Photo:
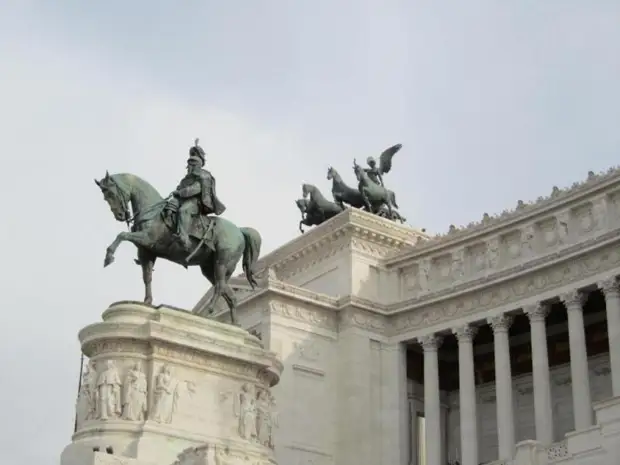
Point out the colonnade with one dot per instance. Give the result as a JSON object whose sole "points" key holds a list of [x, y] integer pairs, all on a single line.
{"points": [[543, 412]]}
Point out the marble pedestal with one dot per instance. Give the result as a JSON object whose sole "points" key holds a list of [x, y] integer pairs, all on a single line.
{"points": [[163, 386]]}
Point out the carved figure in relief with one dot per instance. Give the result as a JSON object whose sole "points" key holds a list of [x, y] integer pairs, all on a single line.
{"points": [[245, 409], [264, 417], [424, 273], [86, 408], [599, 212], [527, 242], [108, 392], [166, 396], [134, 394], [493, 254]]}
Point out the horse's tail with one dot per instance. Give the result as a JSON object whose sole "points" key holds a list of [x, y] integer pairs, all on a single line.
{"points": [[251, 252], [393, 199]]}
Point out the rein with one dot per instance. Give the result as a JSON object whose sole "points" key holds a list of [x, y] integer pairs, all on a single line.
{"points": [[125, 199]]}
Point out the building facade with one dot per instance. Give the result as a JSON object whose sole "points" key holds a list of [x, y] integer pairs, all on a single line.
{"points": [[497, 342]]}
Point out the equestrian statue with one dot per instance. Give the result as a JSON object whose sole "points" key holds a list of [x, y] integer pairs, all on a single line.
{"points": [[370, 194], [184, 228], [377, 199], [316, 209]]}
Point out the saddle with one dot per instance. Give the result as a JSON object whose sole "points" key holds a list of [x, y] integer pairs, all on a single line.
{"points": [[202, 224]]}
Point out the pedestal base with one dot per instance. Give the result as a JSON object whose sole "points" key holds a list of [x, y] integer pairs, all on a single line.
{"points": [[161, 382]]}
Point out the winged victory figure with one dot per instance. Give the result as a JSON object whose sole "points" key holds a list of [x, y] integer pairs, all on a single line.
{"points": [[375, 173]]}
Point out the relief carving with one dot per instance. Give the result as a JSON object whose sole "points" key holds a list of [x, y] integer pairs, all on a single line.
{"points": [[194, 456], [457, 267], [493, 256], [224, 456], [599, 213], [86, 408], [108, 394], [245, 409], [167, 392], [548, 229], [307, 351], [266, 418], [528, 244], [134, 394]]}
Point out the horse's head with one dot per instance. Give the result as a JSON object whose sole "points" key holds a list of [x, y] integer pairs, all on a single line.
{"points": [[117, 199], [330, 173], [306, 190], [302, 204]]}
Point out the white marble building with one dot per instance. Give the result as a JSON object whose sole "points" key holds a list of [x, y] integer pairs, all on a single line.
{"points": [[498, 342]]}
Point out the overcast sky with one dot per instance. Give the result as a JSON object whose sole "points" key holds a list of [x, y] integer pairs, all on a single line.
{"points": [[492, 101]]}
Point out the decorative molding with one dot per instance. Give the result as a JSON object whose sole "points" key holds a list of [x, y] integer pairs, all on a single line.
{"points": [[353, 229], [363, 319], [465, 333], [573, 300], [536, 312], [488, 224], [430, 342], [609, 287], [519, 288], [500, 323], [313, 316]]}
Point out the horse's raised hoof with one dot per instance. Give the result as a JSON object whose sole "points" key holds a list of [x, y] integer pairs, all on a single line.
{"points": [[109, 259]]}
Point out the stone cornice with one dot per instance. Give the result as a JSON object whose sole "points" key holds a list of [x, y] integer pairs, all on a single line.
{"points": [[506, 274], [595, 184], [352, 223], [274, 288]]}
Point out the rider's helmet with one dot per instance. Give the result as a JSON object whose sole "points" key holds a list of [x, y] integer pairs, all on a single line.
{"points": [[197, 153]]}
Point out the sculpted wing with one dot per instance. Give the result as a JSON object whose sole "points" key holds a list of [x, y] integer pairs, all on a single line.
{"points": [[385, 159]]}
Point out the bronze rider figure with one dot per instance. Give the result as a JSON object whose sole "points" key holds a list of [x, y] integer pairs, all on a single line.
{"points": [[195, 195]]}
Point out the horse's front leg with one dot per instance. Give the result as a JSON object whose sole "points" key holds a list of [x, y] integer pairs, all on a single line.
{"points": [[139, 239], [301, 223], [147, 261]]}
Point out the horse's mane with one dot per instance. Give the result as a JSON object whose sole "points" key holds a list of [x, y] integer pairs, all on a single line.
{"points": [[127, 180]]}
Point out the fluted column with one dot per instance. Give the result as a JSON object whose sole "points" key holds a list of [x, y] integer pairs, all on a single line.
{"points": [[582, 402], [503, 386], [432, 406], [543, 411], [612, 304], [467, 395]]}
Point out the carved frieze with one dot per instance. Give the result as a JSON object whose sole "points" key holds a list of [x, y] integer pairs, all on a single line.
{"points": [[512, 290], [314, 316], [362, 319], [167, 392]]}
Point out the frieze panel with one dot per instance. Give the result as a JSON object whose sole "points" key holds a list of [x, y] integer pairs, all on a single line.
{"points": [[513, 290], [105, 347], [476, 258], [314, 316], [204, 360], [510, 246], [522, 209], [365, 320]]}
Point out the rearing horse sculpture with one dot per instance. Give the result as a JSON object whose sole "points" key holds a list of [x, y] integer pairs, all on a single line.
{"points": [[152, 233], [342, 193]]}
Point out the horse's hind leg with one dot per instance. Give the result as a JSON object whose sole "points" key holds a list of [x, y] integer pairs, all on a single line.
{"points": [[207, 269]]}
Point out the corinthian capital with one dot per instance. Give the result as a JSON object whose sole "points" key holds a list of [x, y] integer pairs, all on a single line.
{"points": [[572, 300], [609, 286], [536, 312], [430, 342], [500, 323], [465, 333]]}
